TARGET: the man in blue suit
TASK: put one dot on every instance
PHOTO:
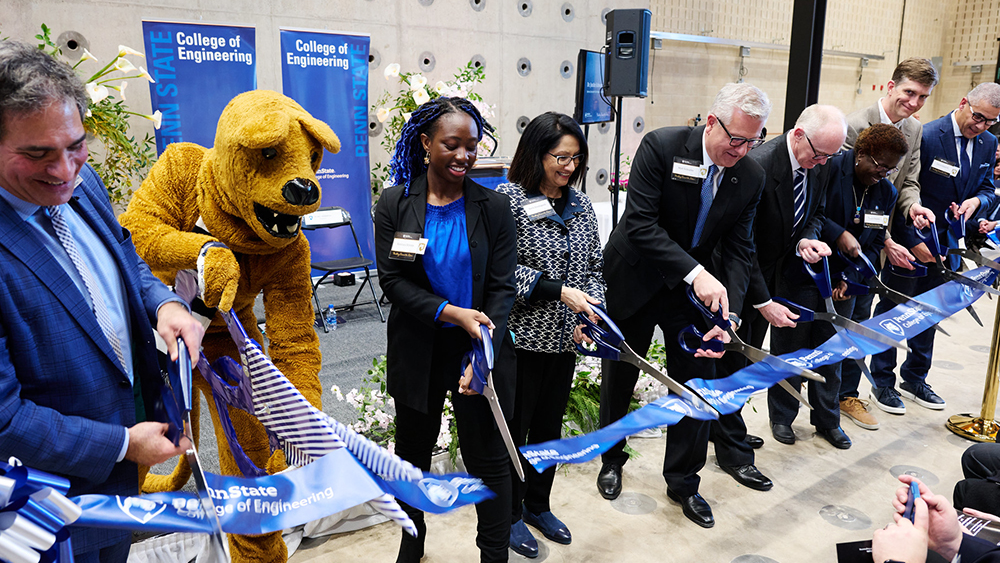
(957, 155)
(78, 365)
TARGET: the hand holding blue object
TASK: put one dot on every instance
(481, 360)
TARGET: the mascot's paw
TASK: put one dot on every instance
(276, 463)
(220, 277)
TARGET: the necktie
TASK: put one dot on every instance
(799, 193)
(707, 187)
(963, 176)
(100, 308)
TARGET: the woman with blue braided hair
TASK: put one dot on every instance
(446, 254)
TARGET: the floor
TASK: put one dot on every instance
(821, 497)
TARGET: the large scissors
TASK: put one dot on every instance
(931, 240)
(822, 279)
(864, 267)
(177, 401)
(481, 358)
(610, 344)
(957, 227)
(737, 345)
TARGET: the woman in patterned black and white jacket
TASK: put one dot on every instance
(558, 274)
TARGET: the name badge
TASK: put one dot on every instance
(538, 208)
(944, 168)
(690, 171)
(875, 219)
(406, 246)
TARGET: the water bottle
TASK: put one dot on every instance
(330, 317)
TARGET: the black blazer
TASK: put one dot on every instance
(773, 233)
(840, 209)
(651, 246)
(411, 326)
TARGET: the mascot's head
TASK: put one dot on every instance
(266, 154)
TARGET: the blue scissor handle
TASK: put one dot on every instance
(863, 265)
(822, 278)
(481, 358)
(716, 318)
(805, 314)
(931, 240)
(992, 235)
(956, 225)
(608, 341)
(714, 345)
(918, 271)
(175, 400)
(855, 288)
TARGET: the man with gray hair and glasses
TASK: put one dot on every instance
(78, 367)
(690, 191)
(957, 155)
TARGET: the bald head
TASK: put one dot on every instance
(819, 132)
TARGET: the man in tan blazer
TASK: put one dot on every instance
(911, 84)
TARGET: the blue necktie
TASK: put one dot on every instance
(963, 176)
(706, 203)
(799, 194)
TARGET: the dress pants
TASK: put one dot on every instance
(730, 431)
(483, 450)
(918, 360)
(687, 441)
(824, 397)
(850, 372)
(543, 383)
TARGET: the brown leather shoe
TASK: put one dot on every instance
(857, 410)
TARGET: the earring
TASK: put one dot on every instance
(427, 157)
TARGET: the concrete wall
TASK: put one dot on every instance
(683, 76)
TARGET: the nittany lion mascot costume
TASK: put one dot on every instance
(232, 213)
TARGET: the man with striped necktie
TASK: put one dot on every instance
(787, 231)
(78, 366)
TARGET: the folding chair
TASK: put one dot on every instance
(332, 218)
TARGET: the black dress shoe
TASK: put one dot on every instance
(754, 442)
(748, 476)
(696, 509)
(609, 481)
(783, 433)
(836, 437)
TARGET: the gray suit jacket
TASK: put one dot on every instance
(907, 178)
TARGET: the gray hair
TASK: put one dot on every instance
(817, 117)
(745, 97)
(31, 79)
(985, 92)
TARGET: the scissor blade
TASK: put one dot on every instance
(868, 333)
(216, 542)
(903, 299)
(491, 396)
(757, 355)
(791, 391)
(674, 386)
(953, 276)
(974, 257)
(975, 316)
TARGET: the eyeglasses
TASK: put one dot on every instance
(563, 160)
(818, 155)
(882, 170)
(739, 141)
(980, 118)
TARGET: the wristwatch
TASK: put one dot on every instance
(735, 319)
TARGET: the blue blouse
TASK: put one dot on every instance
(447, 261)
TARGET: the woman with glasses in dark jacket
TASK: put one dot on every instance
(558, 275)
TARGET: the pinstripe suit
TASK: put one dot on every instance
(65, 402)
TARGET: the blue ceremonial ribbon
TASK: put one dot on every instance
(34, 514)
(729, 394)
(259, 505)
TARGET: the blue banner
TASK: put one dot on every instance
(327, 73)
(333, 483)
(728, 394)
(198, 69)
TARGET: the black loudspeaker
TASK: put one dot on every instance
(627, 62)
